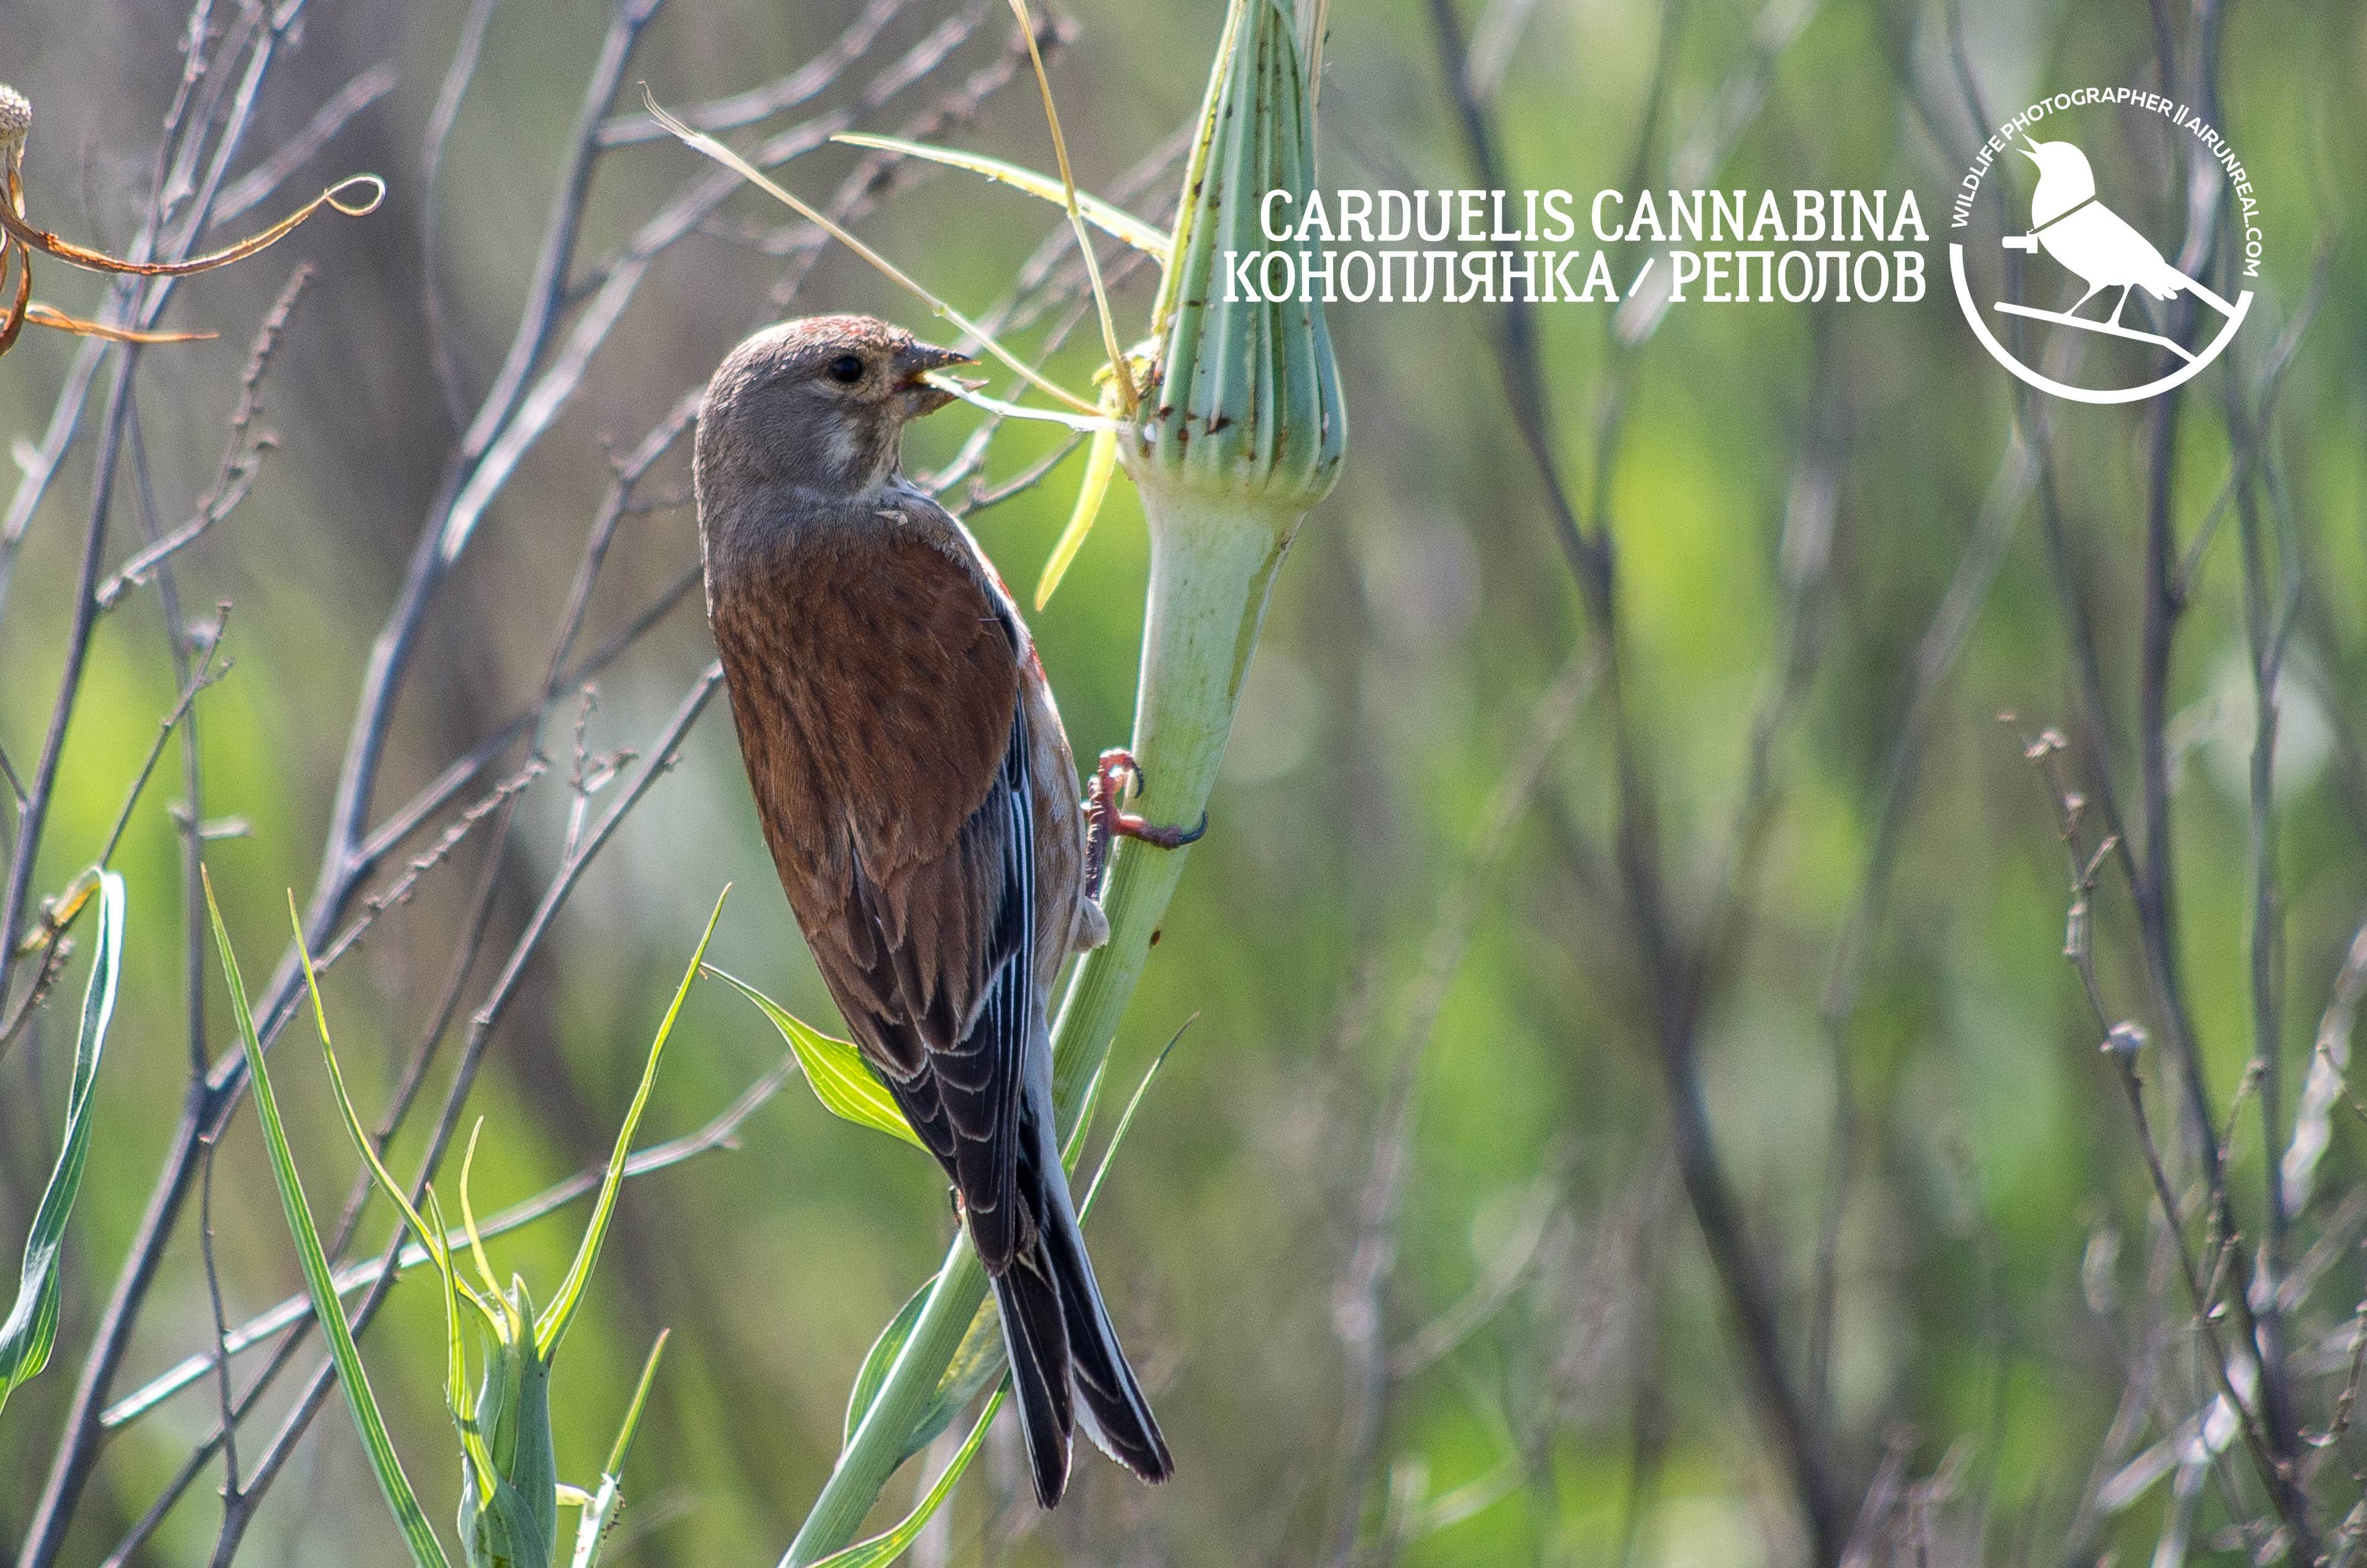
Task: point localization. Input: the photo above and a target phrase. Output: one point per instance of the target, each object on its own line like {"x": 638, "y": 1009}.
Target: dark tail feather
{"x": 1116, "y": 1415}
{"x": 1066, "y": 1366}
{"x": 1036, "y": 1336}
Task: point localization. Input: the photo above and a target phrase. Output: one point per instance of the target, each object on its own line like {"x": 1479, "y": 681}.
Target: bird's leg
{"x": 2093, "y": 289}
{"x": 2123, "y": 305}
{"x": 1108, "y": 820}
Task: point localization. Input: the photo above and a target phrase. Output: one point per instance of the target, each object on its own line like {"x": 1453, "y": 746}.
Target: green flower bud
{"x": 1249, "y": 404}
{"x": 509, "y": 1468}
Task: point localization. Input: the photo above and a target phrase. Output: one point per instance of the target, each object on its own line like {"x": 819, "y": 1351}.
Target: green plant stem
{"x": 1212, "y": 565}
{"x": 876, "y": 1450}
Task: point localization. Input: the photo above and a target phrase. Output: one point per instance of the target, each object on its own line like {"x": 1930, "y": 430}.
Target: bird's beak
{"x": 917, "y": 360}
{"x": 2028, "y": 149}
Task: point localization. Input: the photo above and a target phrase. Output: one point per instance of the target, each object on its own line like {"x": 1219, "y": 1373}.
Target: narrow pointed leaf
{"x": 1101, "y": 462}
{"x": 600, "y": 1507}
{"x": 551, "y": 1327}
{"x": 426, "y": 1550}
{"x": 429, "y": 1237}
{"x": 1087, "y": 423}
{"x": 841, "y": 1079}
{"x": 623, "y": 1446}
{"x": 708, "y": 147}
{"x": 882, "y": 1550}
{"x": 1110, "y": 218}
{"x": 978, "y": 1363}
{"x": 32, "y": 1322}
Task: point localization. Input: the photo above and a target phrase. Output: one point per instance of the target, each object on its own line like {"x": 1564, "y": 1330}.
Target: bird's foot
{"x": 1106, "y": 820}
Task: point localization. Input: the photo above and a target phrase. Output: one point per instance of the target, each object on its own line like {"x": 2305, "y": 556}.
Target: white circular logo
{"x": 2075, "y": 233}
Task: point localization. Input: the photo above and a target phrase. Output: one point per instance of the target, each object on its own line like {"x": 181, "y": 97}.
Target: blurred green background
{"x": 1996, "y": 1272}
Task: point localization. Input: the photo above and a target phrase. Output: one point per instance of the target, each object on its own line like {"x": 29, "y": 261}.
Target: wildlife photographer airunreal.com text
{"x": 2074, "y": 223}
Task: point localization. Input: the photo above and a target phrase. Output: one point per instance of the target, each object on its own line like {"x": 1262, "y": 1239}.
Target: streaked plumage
{"x": 920, "y": 799}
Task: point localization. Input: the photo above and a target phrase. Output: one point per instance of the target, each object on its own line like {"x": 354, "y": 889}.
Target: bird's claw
{"x": 1106, "y": 820}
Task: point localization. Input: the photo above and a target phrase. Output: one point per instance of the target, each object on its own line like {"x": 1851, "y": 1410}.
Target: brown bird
{"x": 920, "y": 799}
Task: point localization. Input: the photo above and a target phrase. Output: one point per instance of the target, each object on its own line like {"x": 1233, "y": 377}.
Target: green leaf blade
{"x": 551, "y": 1327}
{"x": 884, "y": 1548}
{"x": 1108, "y": 216}
{"x": 834, "y": 1070}
{"x": 32, "y": 1322}
{"x": 400, "y": 1498}
{"x": 1101, "y": 462}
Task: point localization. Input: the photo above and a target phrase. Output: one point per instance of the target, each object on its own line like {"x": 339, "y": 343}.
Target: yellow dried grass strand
{"x": 701, "y": 142}
{"x": 36, "y": 238}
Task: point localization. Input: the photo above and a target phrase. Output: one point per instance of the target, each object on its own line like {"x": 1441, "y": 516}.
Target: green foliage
{"x": 1108, "y": 216}
{"x": 426, "y": 1550}
{"x": 511, "y": 1493}
{"x": 1843, "y": 547}
{"x": 32, "y": 1322}
{"x": 836, "y": 1071}
{"x": 599, "y": 1509}
{"x": 979, "y": 1360}
{"x": 509, "y": 1499}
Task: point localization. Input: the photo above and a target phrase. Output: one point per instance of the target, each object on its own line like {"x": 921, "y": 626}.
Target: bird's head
{"x": 820, "y": 403}
{"x": 2061, "y": 162}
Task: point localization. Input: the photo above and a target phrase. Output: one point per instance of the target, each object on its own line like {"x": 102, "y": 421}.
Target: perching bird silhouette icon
{"x": 2090, "y": 239}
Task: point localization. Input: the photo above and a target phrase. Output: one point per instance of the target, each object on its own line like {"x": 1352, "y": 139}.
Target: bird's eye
{"x": 846, "y": 369}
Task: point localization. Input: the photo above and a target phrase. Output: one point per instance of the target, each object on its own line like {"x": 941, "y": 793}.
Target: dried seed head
{"x": 16, "y": 119}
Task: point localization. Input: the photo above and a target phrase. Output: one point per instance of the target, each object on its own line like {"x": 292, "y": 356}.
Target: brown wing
{"x": 876, "y": 694}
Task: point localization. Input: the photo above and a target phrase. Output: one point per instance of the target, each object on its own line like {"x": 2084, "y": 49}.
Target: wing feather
{"x": 878, "y": 696}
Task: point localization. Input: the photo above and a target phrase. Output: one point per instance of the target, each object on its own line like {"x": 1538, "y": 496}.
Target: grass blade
{"x": 32, "y": 1322}
{"x": 591, "y": 1526}
{"x": 884, "y": 1548}
{"x": 551, "y": 1327}
{"x": 1109, "y": 217}
{"x": 977, "y": 1364}
{"x": 1101, "y": 462}
{"x": 706, "y": 146}
{"x": 404, "y": 1502}
{"x": 1128, "y": 398}
{"x": 1087, "y": 424}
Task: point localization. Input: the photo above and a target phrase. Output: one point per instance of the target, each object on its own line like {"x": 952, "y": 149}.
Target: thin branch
{"x": 783, "y": 93}
{"x": 226, "y": 1401}
{"x": 1674, "y": 975}
{"x": 242, "y": 458}
{"x": 442, "y": 356}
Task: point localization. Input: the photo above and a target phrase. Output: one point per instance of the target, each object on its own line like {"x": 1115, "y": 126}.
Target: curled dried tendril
{"x": 20, "y": 238}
